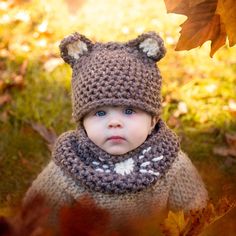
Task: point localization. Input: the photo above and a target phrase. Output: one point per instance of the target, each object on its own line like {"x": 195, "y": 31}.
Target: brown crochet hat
{"x": 114, "y": 73}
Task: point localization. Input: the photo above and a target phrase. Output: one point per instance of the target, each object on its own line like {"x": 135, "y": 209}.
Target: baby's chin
{"x": 117, "y": 151}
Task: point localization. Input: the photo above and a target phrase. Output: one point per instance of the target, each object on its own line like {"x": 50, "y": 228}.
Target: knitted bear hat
{"x": 114, "y": 73}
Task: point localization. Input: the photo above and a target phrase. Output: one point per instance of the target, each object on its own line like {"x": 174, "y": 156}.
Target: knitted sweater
{"x": 180, "y": 188}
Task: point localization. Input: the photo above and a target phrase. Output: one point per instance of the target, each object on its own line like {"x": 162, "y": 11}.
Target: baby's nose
{"x": 115, "y": 123}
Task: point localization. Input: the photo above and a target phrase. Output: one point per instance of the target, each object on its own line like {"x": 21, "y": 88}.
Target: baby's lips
{"x": 115, "y": 137}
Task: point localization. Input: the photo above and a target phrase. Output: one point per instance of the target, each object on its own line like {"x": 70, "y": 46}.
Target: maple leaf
{"x": 196, "y": 221}
{"x": 83, "y": 218}
{"x": 207, "y": 20}
{"x": 175, "y": 224}
{"x": 226, "y": 9}
{"x": 200, "y": 220}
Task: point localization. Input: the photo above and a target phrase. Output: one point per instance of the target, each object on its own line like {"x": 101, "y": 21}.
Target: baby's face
{"x": 118, "y": 130}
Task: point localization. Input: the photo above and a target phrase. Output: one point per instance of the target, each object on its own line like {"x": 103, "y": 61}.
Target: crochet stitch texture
{"x": 115, "y": 73}
{"x": 98, "y": 171}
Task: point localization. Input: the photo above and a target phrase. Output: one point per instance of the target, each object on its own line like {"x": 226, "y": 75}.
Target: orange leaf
{"x": 196, "y": 221}
{"x": 84, "y": 218}
{"x": 201, "y": 219}
{"x": 207, "y": 20}
{"x": 202, "y": 25}
{"x": 227, "y": 11}
{"x": 178, "y": 6}
{"x": 30, "y": 220}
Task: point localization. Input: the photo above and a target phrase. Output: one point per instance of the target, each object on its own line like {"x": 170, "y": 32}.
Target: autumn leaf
{"x": 174, "y": 224}
{"x": 84, "y": 218}
{"x": 52, "y": 64}
{"x": 207, "y": 20}
{"x": 200, "y": 220}
{"x": 4, "y": 99}
{"x": 226, "y": 9}
{"x": 196, "y": 221}
{"x": 48, "y": 134}
{"x": 230, "y": 149}
{"x": 30, "y": 220}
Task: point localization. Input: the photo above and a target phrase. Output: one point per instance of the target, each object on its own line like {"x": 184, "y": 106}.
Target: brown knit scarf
{"x": 134, "y": 171}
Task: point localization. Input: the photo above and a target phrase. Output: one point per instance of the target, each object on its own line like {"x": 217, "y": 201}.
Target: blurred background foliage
{"x": 199, "y": 92}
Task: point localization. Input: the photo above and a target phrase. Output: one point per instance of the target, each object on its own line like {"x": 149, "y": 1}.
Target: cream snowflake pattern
{"x": 124, "y": 167}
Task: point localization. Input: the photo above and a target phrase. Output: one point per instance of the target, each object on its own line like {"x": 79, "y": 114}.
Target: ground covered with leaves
{"x": 199, "y": 92}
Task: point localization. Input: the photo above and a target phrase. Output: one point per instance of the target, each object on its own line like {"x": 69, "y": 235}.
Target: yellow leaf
{"x": 174, "y": 224}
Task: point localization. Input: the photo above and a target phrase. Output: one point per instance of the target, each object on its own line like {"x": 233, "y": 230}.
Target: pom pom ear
{"x": 73, "y": 47}
{"x": 151, "y": 44}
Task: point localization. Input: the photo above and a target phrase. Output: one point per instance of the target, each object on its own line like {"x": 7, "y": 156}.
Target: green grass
{"x": 23, "y": 153}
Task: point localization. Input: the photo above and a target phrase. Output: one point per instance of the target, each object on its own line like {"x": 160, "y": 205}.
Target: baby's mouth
{"x": 115, "y": 138}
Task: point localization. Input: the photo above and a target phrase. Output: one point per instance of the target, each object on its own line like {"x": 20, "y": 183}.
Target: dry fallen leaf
{"x": 200, "y": 220}
{"x": 181, "y": 109}
{"x": 52, "y": 64}
{"x": 23, "y": 67}
{"x": 4, "y": 99}
{"x": 49, "y": 135}
{"x": 230, "y": 149}
{"x": 196, "y": 221}
{"x": 231, "y": 139}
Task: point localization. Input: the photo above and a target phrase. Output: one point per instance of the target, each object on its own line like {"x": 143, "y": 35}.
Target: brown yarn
{"x": 114, "y": 74}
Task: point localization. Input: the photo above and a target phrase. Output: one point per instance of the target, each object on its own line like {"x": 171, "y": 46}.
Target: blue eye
{"x": 100, "y": 113}
{"x": 129, "y": 111}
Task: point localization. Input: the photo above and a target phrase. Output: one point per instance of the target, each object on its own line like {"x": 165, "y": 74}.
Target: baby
{"x": 122, "y": 154}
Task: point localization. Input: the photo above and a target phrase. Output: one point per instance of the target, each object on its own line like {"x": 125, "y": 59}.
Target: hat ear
{"x": 151, "y": 44}
{"x": 73, "y": 47}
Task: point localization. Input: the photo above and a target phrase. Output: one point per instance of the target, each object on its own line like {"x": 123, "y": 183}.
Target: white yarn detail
{"x": 141, "y": 157}
{"x": 149, "y": 171}
{"x": 154, "y": 173}
{"x": 158, "y": 158}
{"x": 76, "y": 49}
{"x": 150, "y": 46}
{"x": 105, "y": 166}
{"x": 124, "y": 167}
{"x": 95, "y": 163}
{"x": 99, "y": 170}
{"x": 146, "y": 150}
{"x": 145, "y": 164}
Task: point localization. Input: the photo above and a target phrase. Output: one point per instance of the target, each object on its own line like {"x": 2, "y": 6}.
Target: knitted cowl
{"x": 134, "y": 171}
